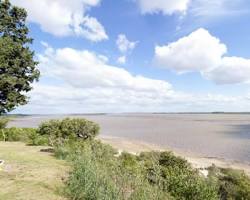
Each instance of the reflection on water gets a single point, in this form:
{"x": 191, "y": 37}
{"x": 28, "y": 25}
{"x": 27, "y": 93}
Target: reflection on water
{"x": 224, "y": 136}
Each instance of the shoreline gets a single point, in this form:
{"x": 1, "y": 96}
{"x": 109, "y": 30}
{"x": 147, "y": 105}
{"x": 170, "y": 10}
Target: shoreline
{"x": 197, "y": 161}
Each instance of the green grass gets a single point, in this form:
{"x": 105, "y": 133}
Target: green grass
{"x": 29, "y": 174}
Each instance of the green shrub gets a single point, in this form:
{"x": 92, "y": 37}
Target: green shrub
{"x": 36, "y": 139}
{"x": 88, "y": 179}
{"x": 62, "y": 152}
{"x": 16, "y": 134}
{"x": 145, "y": 191}
{"x": 232, "y": 184}
{"x": 130, "y": 163}
{"x": 168, "y": 159}
{"x": 59, "y": 131}
{"x": 3, "y": 122}
{"x": 99, "y": 174}
{"x": 27, "y": 135}
{"x": 176, "y": 176}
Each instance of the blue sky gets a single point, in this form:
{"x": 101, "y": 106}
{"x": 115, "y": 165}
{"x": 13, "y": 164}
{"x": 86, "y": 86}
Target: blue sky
{"x": 139, "y": 55}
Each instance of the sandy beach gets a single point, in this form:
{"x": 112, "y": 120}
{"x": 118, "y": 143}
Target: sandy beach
{"x": 198, "y": 162}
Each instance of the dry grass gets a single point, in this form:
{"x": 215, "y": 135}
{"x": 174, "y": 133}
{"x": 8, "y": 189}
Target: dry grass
{"x": 29, "y": 174}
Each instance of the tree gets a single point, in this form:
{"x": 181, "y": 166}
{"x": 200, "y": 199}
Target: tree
{"x": 17, "y": 65}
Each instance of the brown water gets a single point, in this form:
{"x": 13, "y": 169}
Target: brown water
{"x": 224, "y": 136}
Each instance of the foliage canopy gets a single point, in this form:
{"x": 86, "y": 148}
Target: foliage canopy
{"x": 17, "y": 65}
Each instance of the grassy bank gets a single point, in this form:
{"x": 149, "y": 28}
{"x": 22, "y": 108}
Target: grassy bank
{"x": 30, "y": 174}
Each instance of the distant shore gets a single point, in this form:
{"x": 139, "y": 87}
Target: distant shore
{"x": 198, "y": 162}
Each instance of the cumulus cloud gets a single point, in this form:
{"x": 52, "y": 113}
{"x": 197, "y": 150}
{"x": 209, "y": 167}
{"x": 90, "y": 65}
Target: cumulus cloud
{"x": 85, "y": 81}
{"x": 64, "y": 18}
{"x": 167, "y": 7}
{"x": 204, "y": 53}
{"x": 197, "y": 51}
{"x": 85, "y": 69}
{"x": 123, "y": 44}
{"x": 231, "y": 70}
{"x": 80, "y": 81}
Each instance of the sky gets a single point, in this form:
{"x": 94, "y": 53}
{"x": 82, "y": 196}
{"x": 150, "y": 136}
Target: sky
{"x": 110, "y": 56}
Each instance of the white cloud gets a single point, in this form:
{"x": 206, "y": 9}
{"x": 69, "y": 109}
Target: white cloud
{"x": 123, "y": 44}
{"x": 197, "y": 51}
{"x": 85, "y": 69}
{"x": 231, "y": 70}
{"x": 64, "y": 18}
{"x": 167, "y": 7}
{"x": 204, "y": 53}
{"x": 69, "y": 99}
{"x": 86, "y": 83}
{"x": 122, "y": 59}
{"x": 197, "y": 8}
{"x": 217, "y": 8}
{"x": 79, "y": 81}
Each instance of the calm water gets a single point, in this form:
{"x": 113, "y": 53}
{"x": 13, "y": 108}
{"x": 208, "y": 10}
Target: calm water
{"x": 223, "y": 136}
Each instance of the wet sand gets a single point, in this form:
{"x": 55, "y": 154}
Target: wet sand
{"x": 223, "y": 137}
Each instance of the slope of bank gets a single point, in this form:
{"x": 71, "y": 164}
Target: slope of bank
{"x": 28, "y": 173}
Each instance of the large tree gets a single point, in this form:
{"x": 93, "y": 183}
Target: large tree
{"x": 17, "y": 65}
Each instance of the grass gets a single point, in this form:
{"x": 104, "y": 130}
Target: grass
{"x": 29, "y": 174}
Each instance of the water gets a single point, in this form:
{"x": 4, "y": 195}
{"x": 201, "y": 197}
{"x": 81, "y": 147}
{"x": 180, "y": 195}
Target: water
{"x": 224, "y": 136}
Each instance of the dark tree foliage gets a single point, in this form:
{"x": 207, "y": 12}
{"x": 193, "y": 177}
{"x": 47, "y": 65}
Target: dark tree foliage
{"x": 17, "y": 66}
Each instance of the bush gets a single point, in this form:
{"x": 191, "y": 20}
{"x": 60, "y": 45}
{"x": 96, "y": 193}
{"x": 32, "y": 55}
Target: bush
{"x": 176, "y": 176}
{"x": 232, "y": 184}
{"x": 27, "y": 135}
{"x": 3, "y": 122}
{"x": 16, "y": 134}
{"x": 59, "y": 131}
{"x": 99, "y": 174}
{"x": 36, "y": 139}
{"x": 89, "y": 181}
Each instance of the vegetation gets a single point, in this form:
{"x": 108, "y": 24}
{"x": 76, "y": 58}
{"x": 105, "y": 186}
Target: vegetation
{"x": 54, "y": 132}
{"x": 3, "y": 122}
{"x": 29, "y": 174}
{"x": 16, "y": 134}
{"x": 177, "y": 176}
{"x": 59, "y": 131}
{"x": 17, "y": 65}
{"x": 232, "y": 184}
{"x": 99, "y": 172}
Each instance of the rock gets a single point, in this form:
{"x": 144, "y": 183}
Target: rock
{"x": 204, "y": 172}
{"x": 1, "y": 162}
{"x": 48, "y": 150}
